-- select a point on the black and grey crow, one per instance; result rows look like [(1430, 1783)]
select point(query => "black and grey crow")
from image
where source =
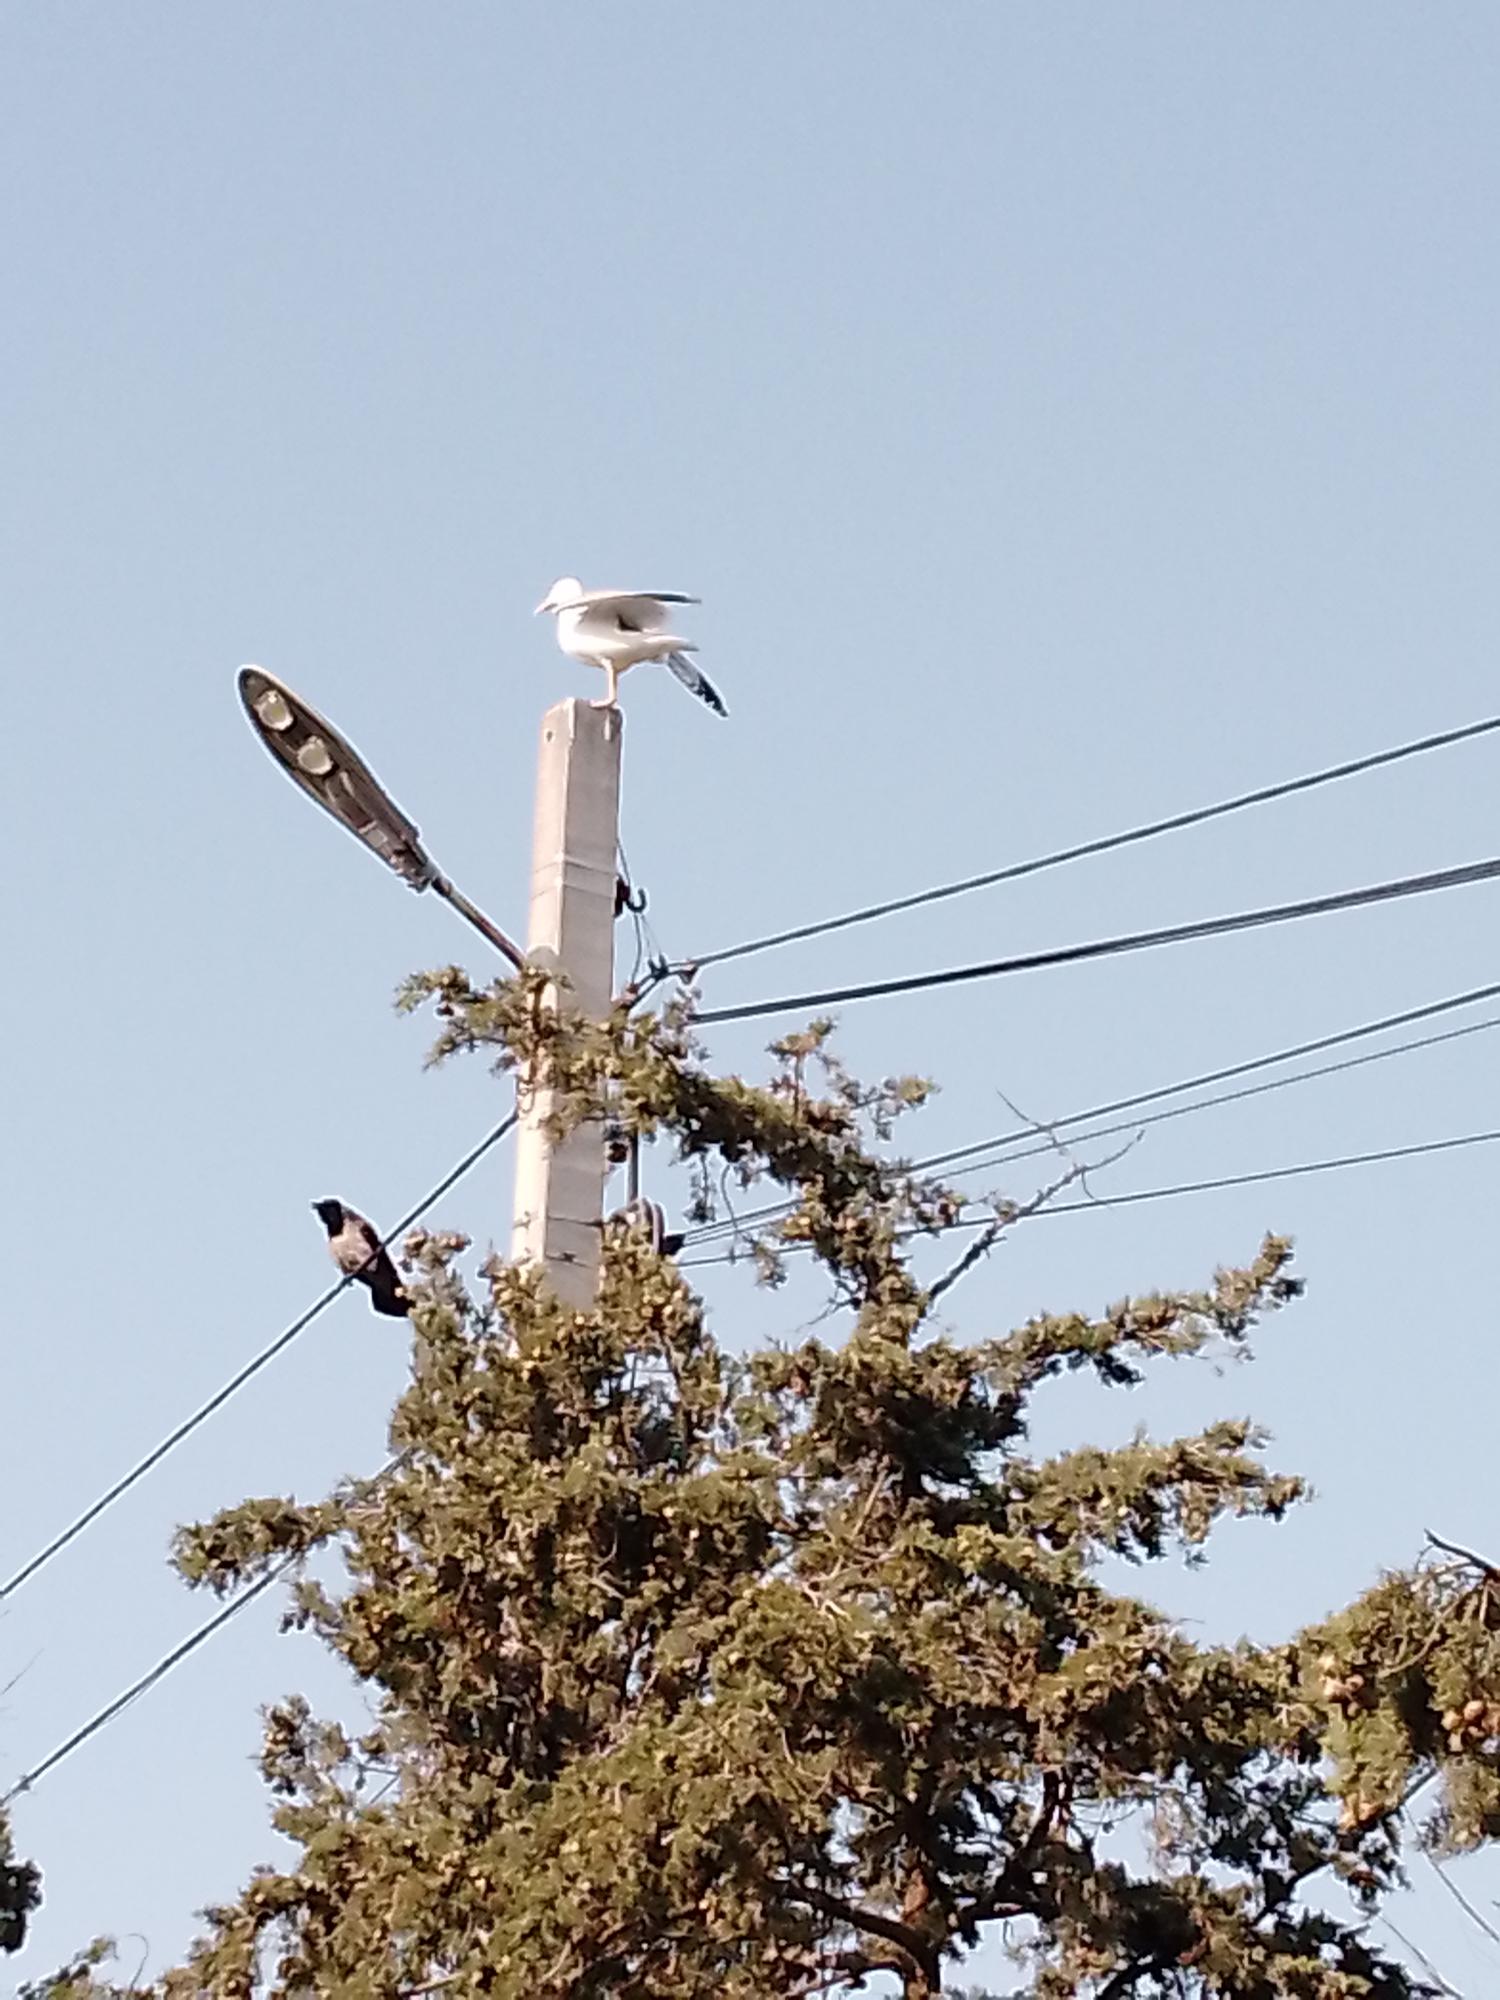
[(354, 1245)]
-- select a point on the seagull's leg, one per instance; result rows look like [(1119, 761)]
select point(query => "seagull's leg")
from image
[(611, 687)]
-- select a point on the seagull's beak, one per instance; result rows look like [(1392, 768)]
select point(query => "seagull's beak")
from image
[(545, 605)]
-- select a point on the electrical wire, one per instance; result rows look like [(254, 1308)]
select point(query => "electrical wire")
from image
[(1136, 1195), (164, 1666), (649, 966), (1276, 913), (1405, 1018), (1046, 1145), (236, 1382), (1379, 1157), (1017, 1134), (1106, 844)]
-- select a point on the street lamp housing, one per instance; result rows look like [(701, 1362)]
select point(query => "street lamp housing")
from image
[(331, 771)]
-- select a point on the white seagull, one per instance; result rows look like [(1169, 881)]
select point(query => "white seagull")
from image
[(616, 629)]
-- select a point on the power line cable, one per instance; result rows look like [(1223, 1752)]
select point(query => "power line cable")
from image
[(236, 1382), (1017, 1134), (1074, 954), (1233, 1096), (164, 1666), (1303, 1168), (1105, 844), (1407, 1017), (1135, 1195)]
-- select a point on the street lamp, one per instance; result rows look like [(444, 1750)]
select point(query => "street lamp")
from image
[(331, 771)]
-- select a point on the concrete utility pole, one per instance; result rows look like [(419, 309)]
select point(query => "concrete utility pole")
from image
[(560, 1188)]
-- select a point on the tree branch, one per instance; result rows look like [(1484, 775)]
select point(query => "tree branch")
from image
[(985, 1241), (1125, 1979), (1464, 1555), (1002, 1900), (848, 1968), (913, 1947)]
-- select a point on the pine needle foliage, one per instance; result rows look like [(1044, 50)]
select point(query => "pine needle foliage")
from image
[(713, 1676)]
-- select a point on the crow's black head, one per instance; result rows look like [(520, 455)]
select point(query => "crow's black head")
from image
[(331, 1215)]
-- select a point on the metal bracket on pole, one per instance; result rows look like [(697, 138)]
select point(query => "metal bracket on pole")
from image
[(560, 1186)]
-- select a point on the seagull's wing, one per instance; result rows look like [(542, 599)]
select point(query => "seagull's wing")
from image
[(696, 682), (588, 600), (611, 612), (660, 597)]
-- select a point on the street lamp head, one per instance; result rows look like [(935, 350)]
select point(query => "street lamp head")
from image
[(333, 774)]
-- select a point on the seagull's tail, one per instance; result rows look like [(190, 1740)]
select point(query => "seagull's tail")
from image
[(696, 682)]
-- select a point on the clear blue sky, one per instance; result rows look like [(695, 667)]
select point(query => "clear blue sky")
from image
[(1065, 413)]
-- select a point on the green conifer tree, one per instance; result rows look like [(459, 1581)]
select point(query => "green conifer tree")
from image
[(702, 1676)]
